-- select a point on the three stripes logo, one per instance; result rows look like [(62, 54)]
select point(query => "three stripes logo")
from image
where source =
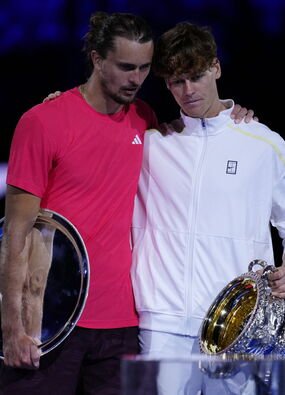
[(137, 140)]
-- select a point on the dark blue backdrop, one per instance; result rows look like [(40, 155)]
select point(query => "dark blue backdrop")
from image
[(40, 45)]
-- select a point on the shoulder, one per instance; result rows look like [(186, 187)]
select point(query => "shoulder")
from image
[(67, 99), (261, 138), (143, 111), (161, 136), (52, 112), (153, 134), (258, 132), (46, 121), (140, 104)]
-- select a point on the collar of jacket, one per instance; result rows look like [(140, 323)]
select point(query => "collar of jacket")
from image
[(208, 126)]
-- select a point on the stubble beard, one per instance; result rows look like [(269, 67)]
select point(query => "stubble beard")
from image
[(116, 97), (122, 100)]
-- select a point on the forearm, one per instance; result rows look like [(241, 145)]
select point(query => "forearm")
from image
[(20, 215), (14, 264), (22, 209)]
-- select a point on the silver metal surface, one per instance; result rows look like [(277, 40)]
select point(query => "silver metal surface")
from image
[(57, 280)]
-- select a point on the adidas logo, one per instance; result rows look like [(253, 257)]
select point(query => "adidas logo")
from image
[(137, 140)]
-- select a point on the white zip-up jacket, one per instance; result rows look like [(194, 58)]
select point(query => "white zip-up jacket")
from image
[(205, 200)]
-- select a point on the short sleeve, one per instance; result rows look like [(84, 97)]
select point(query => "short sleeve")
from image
[(31, 156)]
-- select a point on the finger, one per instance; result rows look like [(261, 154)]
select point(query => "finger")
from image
[(21, 360), (49, 97), (277, 282), (240, 115), (272, 279), (178, 125), (276, 275), (249, 116), (35, 356), (11, 358), (164, 128), (256, 119), (280, 295), (235, 111), (52, 96), (275, 285)]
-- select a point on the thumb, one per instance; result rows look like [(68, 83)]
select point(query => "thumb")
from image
[(35, 353)]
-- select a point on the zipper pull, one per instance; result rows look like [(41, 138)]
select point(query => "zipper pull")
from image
[(203, 123)]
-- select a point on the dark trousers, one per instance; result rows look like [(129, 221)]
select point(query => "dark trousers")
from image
[(86, 363)]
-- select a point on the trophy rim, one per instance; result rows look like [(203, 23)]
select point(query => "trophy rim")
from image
[(259, 295)]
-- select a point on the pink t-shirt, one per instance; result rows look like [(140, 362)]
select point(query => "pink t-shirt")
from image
[(85, 166)]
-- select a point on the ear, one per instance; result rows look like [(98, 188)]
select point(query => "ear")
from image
[(217, 67), (96, 59)]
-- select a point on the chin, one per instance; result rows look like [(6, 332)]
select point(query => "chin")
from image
[(125, 100), (191, 112)]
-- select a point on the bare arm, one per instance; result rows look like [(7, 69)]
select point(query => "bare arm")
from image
[(21, 212)]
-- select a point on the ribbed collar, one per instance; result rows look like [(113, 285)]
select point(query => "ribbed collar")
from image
[(212, 126)]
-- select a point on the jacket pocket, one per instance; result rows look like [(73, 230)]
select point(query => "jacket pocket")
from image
[(158, 270)]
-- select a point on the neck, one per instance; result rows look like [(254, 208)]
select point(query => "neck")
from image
[(215, 109), (93, 95)]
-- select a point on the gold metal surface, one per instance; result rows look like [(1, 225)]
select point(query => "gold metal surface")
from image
[(229, 315)]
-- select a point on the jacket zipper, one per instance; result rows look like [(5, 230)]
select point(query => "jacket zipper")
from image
[(192, 227)]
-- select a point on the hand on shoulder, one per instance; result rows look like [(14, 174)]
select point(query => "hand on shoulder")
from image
[(52, 96), (240, 113), (177, 125)]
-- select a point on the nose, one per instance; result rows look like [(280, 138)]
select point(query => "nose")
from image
[(135, 77), (188, 87)]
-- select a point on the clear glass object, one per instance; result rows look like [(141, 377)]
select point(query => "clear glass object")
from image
[(214, 375)]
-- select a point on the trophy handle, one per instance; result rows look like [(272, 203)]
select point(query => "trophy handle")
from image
[(266, 270), (257, 262)]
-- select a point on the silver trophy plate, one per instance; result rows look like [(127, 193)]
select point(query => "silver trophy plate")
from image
[(57, 281)]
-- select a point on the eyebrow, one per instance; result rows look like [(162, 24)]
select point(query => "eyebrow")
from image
[(132, 65)]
